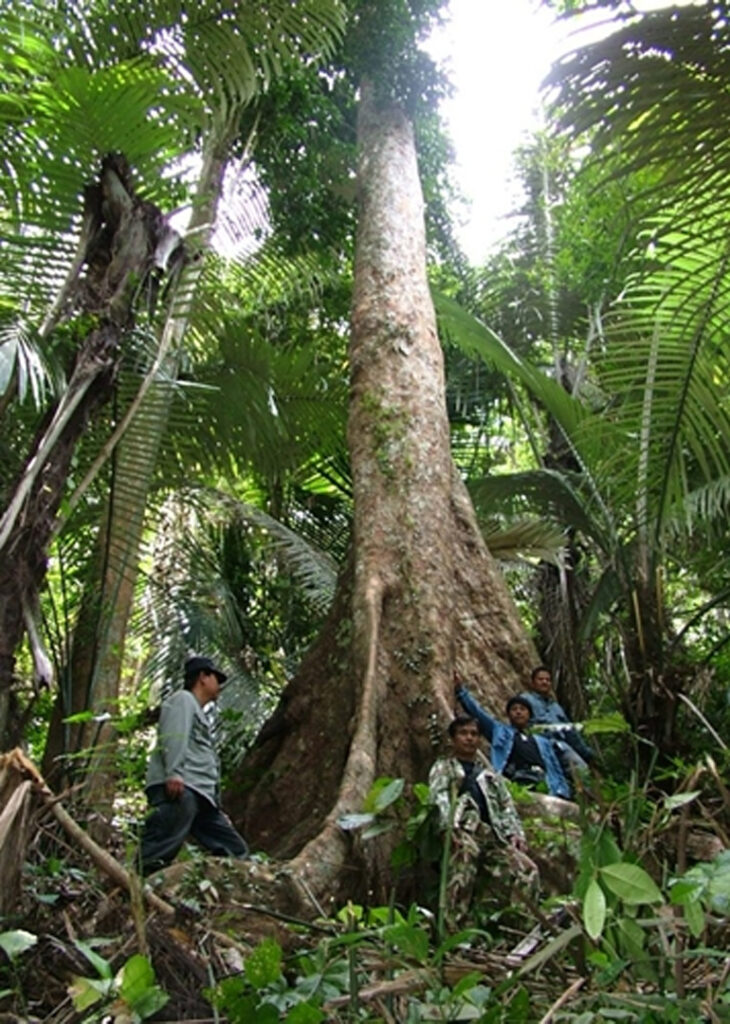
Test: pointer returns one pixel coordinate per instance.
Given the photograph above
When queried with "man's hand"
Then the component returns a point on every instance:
(174, 787)
(519, 843)
(457, 680)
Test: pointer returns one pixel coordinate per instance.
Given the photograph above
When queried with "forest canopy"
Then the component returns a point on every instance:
(258, 406)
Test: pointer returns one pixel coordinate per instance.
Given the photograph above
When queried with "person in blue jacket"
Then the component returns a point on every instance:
(513, 751)
(573, 750)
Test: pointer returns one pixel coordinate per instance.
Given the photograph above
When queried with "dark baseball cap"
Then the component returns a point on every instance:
(197, 664)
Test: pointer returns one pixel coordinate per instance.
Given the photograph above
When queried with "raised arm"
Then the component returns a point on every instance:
(472, 707)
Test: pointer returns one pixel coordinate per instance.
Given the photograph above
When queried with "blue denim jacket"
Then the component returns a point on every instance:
(501, 738)
(547, 711)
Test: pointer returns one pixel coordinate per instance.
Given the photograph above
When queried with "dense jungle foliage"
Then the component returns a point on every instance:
(174, 477)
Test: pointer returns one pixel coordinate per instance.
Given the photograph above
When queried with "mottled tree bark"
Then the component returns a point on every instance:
(117, 249)
(94, 673)
(422, 595)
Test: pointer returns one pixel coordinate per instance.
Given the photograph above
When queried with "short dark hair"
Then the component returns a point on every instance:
(190, 679)
(518, 700)
(459, 722)
(539, 668)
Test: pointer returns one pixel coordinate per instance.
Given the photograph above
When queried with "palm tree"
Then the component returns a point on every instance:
(645, 424)
(85, 64)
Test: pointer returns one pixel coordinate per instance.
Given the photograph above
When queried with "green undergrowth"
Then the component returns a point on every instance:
(628, 939)
(632, 927)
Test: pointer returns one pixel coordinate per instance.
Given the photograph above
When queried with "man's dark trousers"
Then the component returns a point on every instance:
(171, 821)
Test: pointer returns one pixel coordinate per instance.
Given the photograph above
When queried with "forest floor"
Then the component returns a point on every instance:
(204, 920)
(84, 939)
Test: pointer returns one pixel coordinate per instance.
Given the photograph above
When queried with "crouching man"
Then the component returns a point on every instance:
(487, 838)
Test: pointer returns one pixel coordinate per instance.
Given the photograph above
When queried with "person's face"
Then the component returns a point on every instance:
(519, 716)
(211, 686)
(465, 741)
(542, 683)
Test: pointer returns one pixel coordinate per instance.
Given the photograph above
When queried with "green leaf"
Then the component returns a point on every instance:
(263, 1013)
(86, 992)
(383, 792)
(718, 889)
(421, 793)
(466, 984)
(102, 966)
(263, 965)
(630, 883)
(594, 910)
(138, 988)
(136, 976)
(389, 795)
(680, 799)
(305, 1013)
(613, 723)
(351, 913)
(694, 915)
(409, 939)
(685, 891)
(80, 718)
(231, 996)
(634, 936)
(16, 942)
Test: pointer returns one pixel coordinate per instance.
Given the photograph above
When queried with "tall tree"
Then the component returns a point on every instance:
(421, 594)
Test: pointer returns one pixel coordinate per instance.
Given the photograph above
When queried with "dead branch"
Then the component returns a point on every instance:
(564, 998)
(13, 840)
(16, 761)
(404, 984)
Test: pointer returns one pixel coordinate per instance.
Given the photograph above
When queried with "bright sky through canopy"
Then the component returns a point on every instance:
(497, 53)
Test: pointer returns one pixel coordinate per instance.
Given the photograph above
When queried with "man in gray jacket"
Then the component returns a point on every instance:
(183, 776)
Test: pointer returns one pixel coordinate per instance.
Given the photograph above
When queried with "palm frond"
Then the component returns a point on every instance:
(24, 363)
(651, 93)
(528, 540)
(476, 339)
(313, 568)
(607, 591)
(82, 82)
(557, 495)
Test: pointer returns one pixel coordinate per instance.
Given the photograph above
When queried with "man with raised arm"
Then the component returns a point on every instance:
(522, 757)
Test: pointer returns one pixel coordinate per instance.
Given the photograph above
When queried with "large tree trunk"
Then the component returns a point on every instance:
(422, 594)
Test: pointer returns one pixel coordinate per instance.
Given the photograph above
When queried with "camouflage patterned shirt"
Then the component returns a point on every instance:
(445, 782)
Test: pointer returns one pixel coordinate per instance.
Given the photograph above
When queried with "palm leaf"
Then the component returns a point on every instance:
(556, 495)
(529, 540)
(314, 569)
